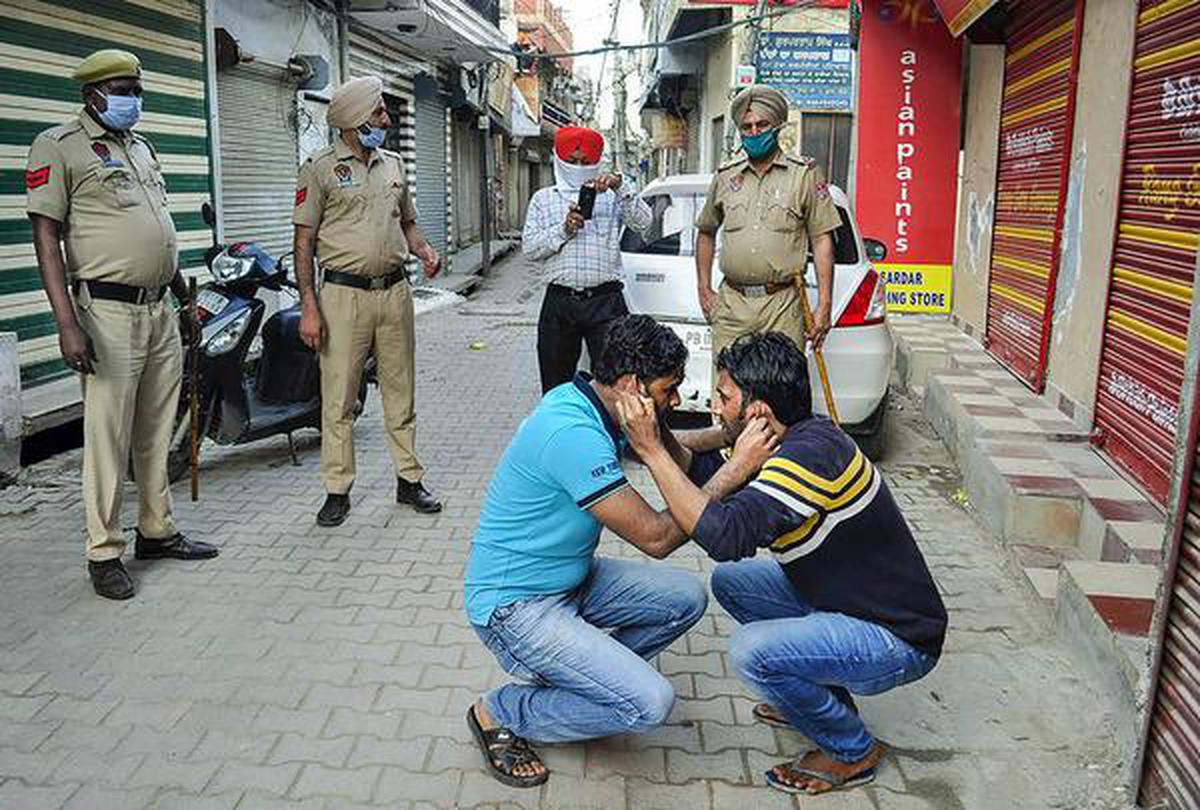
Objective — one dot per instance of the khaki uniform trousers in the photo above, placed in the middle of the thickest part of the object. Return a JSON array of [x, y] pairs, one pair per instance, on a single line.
[[129, 403], [737, 315], [355, 321]]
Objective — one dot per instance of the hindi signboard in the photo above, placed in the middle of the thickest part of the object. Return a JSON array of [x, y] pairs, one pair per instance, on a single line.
[[813, 70]]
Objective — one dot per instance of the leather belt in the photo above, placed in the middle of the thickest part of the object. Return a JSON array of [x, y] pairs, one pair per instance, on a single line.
[[587, 292], [115, 291], [759, 290], [365, 282]]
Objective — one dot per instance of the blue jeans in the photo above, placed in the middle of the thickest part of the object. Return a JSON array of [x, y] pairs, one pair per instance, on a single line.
[[806, 663], [584, 654]]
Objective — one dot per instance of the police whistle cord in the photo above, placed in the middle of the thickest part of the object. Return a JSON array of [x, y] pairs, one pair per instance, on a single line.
[[193, 404], [822, 371]]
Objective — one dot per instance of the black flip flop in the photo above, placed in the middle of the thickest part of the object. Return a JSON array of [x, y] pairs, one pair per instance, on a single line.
[[503, 751]]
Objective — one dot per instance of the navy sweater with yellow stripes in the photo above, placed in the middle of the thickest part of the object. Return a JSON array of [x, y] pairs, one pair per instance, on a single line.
[[831, 522]]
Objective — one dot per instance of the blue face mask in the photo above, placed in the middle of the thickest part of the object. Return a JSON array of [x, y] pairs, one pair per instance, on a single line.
[[123, 112], [760, 145], [372, 139]]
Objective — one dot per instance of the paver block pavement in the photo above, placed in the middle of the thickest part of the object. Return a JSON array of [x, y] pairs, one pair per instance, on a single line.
[[332, 668]]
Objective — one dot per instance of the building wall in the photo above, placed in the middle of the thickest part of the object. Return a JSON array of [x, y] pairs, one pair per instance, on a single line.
[[273, 30], [1105, 62], [714, 95], [977, 186]]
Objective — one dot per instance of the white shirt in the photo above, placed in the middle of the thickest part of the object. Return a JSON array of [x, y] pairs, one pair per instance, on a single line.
[[593, 255]]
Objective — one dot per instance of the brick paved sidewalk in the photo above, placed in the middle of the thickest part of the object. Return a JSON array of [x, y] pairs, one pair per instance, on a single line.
[[331, 668]]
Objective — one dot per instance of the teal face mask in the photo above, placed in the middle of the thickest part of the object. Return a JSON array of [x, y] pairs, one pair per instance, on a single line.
[[760, 145]]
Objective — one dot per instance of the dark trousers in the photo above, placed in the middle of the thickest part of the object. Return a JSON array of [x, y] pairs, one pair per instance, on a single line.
[[568, 318]]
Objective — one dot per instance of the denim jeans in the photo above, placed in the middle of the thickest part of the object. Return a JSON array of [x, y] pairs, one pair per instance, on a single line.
[[583, 655], [806, 663]]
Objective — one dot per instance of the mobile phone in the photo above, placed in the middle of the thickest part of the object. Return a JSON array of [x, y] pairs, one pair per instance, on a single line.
[[587, 201]]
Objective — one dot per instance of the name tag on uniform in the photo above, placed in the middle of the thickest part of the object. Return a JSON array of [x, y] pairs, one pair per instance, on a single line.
[[344, 175]]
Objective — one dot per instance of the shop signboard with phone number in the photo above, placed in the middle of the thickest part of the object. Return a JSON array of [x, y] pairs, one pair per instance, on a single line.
[[812, 70]]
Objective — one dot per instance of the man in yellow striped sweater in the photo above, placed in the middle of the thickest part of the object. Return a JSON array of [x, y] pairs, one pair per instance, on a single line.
[[847, 605]]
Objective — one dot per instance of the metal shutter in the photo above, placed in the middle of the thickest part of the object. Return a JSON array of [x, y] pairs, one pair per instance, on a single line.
[[1036, 120], [42, 43], [430, 170], [1145, 328], [259, 153], [1171, 762], [466, 182], [692, 159]]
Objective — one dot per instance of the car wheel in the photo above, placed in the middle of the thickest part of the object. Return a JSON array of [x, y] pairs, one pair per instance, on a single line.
[[873, 440]]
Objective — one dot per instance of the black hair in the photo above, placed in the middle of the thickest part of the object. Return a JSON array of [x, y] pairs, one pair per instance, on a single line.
[[639, 345], [771, 368]]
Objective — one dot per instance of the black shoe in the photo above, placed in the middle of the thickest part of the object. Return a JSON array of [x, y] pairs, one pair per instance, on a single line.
[[177, 547], [110, 579], [415, 493], [334, 512]]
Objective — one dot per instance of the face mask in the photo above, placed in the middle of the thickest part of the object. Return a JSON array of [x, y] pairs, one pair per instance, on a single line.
[[570, 177], [122, 113], [372, 139], [760, 145]]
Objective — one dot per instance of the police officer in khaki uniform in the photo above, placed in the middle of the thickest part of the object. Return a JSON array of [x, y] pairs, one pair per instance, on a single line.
[[772, 206], [96, 188], [354, 211]]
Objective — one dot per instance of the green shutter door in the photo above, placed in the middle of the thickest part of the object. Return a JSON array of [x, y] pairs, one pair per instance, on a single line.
[[41, 42]]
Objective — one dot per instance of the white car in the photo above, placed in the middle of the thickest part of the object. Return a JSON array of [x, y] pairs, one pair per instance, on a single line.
[[660, 280]]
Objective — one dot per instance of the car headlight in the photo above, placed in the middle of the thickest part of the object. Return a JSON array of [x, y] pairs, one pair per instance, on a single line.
[[229, 335], [226, 268]]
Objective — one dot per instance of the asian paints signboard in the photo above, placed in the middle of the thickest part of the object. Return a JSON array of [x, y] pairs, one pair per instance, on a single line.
[[908, 127]]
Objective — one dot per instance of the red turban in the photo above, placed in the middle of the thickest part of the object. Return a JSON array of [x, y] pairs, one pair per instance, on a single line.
[[568, 139]]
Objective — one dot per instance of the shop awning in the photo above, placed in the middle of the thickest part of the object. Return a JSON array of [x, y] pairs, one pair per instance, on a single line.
[[959, 14]]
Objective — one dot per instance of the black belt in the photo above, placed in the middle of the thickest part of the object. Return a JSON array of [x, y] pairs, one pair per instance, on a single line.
[[365, 282], [587, 292], [126, 293]]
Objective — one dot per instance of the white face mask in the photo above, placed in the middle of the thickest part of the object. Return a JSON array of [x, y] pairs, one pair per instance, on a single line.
[[569, 177]]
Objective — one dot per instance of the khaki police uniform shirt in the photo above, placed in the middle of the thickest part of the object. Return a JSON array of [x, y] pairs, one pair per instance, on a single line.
[[769, 220], [356, 208], [107, 190]]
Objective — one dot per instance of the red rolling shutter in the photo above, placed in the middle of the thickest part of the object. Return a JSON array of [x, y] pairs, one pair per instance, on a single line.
[[1150, 292], [1036, 121]]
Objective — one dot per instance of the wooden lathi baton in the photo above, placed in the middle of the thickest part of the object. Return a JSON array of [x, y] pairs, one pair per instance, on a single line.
[[802, 288], [194, 377]]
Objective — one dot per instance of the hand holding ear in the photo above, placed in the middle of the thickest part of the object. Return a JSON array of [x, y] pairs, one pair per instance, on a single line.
[[638, 421], [756, 444]]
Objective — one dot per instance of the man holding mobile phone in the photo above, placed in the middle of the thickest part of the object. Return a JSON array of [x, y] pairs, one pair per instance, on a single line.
[[574, 229]]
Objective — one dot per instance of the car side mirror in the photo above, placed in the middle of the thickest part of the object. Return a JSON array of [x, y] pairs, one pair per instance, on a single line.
[[876, 250], [208, 215]]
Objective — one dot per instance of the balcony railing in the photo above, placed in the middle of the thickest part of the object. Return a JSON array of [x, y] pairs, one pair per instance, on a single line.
[[488, 9], [556, 115]]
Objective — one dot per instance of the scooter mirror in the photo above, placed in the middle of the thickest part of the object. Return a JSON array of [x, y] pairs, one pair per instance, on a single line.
[[208, 215]]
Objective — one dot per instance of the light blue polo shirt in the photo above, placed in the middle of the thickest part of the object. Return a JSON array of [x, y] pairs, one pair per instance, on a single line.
[[535, 535]]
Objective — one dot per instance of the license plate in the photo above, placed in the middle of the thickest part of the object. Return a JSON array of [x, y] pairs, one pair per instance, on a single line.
[[211, 301]]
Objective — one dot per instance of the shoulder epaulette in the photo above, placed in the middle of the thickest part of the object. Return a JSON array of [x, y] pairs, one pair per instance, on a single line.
[[735, 162], [803, 160], [61, 131]]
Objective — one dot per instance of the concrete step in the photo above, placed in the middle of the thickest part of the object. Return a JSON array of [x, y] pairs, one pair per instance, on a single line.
[[1103, 612], [925, 344], [1021, 507]]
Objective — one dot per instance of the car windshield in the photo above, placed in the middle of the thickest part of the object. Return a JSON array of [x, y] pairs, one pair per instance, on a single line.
[[672, 231]]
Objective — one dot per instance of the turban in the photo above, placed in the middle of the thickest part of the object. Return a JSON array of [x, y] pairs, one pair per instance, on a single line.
[[568, 139], [353, 102], [763, 100], [109, 63]]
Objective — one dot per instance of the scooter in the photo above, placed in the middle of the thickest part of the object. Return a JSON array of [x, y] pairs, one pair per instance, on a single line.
[[241, 400]]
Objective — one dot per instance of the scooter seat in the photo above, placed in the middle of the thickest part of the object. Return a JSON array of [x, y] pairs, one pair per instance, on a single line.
[[288, 370]]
